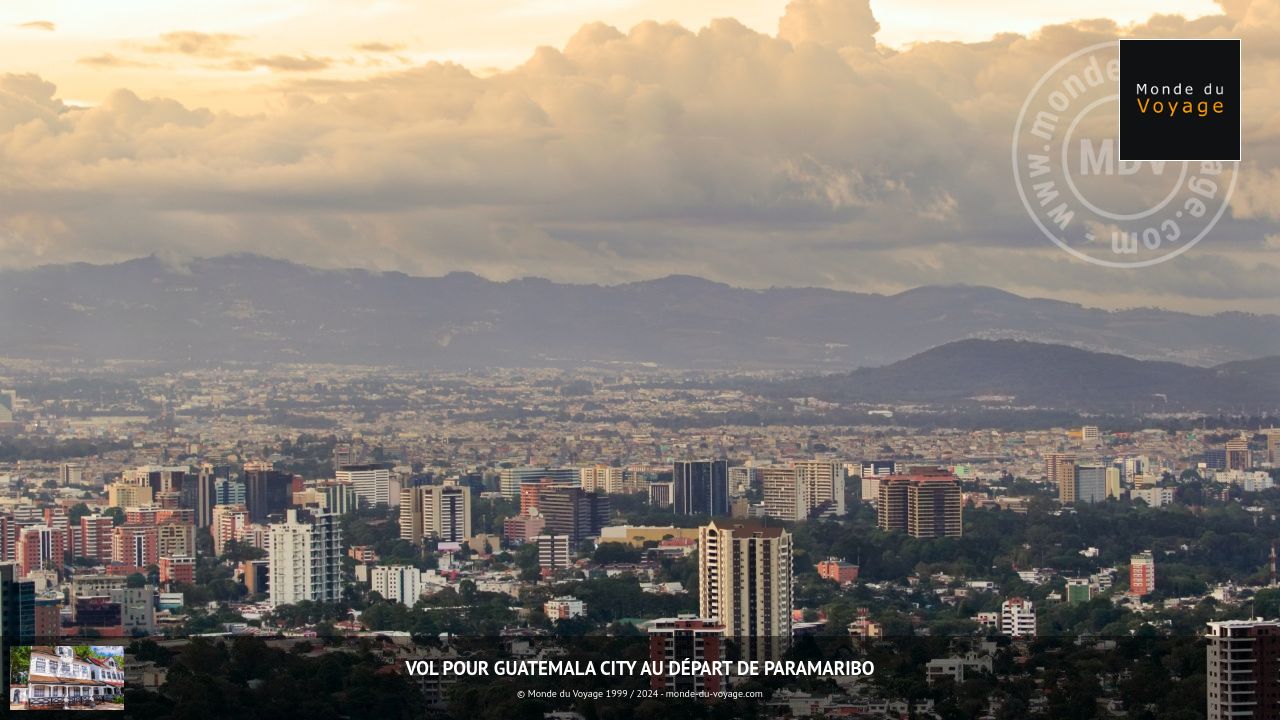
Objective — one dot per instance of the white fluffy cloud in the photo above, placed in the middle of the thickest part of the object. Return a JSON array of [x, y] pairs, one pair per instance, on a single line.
[[809, 157]]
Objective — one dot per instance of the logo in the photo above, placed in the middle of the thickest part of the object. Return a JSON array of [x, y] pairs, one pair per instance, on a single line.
[[1082, 196]]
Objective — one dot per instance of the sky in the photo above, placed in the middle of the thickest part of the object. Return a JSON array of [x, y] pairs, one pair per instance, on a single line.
[[833, 143]]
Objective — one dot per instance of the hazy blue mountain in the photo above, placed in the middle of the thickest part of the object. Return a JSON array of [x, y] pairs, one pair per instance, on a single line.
[[1011, 372], [247, 307]]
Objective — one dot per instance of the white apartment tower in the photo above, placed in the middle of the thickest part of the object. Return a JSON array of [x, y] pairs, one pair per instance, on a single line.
[[305, 559], [744, 572]]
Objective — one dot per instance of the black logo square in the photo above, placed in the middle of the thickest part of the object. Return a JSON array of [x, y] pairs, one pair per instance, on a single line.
[[1179, 99]]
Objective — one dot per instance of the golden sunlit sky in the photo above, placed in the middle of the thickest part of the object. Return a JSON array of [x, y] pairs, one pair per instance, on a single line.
[[94, 46], [836, 143]]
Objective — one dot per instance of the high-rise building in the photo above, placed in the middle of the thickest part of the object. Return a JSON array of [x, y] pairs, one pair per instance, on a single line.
[[95, 537], [1142, 574], [1091, 483], [1060, 472], [662, 494], [230, 522], [573, 512], [330, 496], [701, 487], [511, 480], [175, 539], [123, 494], [1242, 672], [398, 583], [744, 584], [206, 496], [40, 546], [160, 478], [1113, 482], [305, 558], [1238, 454], [681, 639], [1273, 445], [70, 474], [267, 491], [441, 511], [802, 490], [1090, 435], [17, 607], [785, 494], [869, 474], [554, 553], [135, 546], [1018, 617], [371, 481], [925, 504], [601, 478]]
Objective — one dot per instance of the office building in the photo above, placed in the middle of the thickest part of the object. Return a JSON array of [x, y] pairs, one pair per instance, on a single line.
[[1090, 435], [554, 553], [305, 557], [70, 474], [1242, 670], [1018, 617], [685, 638], [371, 482], [701, 487], [441, 512], [510, 480], [925, 504], [209, 480], [662, 494], [573, 512], [1060, 473], [17, 607], [1237, 452], [268, 492], [398, 583], [745, 584], [1091, 483], [1142, 574]]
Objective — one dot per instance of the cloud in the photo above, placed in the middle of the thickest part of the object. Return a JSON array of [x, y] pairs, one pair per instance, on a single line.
[[108, 60], [44, 25], [832, 23], [809, 157], [379, 47], [188, 42], [283, 63]]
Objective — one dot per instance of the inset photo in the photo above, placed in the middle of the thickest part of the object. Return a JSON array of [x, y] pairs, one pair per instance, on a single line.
[[66, 677]]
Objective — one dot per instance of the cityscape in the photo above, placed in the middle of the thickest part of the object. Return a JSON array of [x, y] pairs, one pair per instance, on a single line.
[[613, 359], [310, 503]]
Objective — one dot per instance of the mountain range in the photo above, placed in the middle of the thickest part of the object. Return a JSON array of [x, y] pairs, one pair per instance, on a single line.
[[253, 308], [993, 373]]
